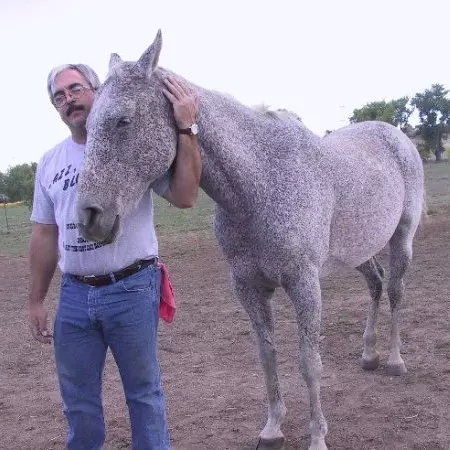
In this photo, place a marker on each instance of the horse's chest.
(260, 268)
(264, 255)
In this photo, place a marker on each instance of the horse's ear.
(114, 60)
(149, 60)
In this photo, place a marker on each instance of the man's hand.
(185, 179)
(185, 105)
(38, 323)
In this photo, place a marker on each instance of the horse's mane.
(281, 114)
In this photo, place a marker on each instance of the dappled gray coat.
(291, 206)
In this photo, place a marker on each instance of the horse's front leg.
(306, 296)
(256, 301)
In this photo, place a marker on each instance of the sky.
(319, 58)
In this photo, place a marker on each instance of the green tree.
(3, 180)
(20, 183)
(395, 112)
(434, 114)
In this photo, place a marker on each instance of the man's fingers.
(170, 96)
(179, 87)
(38, 328)
(185, 102)
(196, 101)
(44, 339)
(172, 87)
(175, 88)
(43, 336)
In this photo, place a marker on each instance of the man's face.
(75, 111)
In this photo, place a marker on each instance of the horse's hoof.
(271, 444)
(396, 370)
(370, 364)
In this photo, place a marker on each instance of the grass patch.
(170, 220)
(437, 185)
(13, 215)
(15, 229)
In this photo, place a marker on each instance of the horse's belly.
(358, 235)
(367, 211)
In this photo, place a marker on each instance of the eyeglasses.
(75, 91)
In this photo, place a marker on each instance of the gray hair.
(88, 73)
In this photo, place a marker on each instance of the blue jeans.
(124, 317)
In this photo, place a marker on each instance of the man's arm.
(185, 180)
(43, 257)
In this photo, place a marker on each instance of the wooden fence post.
(6, 217)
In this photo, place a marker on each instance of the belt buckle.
(87, 278)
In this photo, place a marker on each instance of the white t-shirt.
(55, 203)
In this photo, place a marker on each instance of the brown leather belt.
(104, 280)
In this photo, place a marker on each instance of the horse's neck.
(244, 151)
(231, 163)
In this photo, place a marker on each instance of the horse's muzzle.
(94, 225)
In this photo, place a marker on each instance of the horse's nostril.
(90, 215)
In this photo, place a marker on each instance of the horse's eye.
(123, 122)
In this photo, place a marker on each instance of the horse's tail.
(424, 203)
(424, 216)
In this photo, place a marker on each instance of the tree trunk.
(438, 150)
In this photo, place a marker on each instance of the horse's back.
(375, 139)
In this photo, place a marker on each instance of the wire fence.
(14, 217)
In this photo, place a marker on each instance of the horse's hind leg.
(400, 258)
(256, 301)
(373, 273)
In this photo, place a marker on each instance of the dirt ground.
(213, 382)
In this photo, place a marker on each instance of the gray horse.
(290, 206)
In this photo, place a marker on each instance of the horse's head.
(131, 143)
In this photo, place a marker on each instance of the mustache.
(72, 107)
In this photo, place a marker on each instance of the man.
(109, 293)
